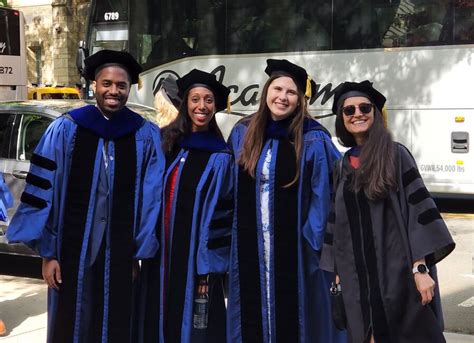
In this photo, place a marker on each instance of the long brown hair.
(181, 127)
(376, 175)
(255, 135)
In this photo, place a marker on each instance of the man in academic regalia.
(91, 205)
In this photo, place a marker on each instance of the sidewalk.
(458, 338)
(23, 309)
(33, 330)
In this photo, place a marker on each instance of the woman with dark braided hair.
(196, 222)
(385, 234)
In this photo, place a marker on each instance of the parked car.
(59, 93)
(22, 123)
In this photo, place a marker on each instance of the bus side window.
(463, 24)
(355, 26)
(32, 128)
(416, 23)
(245, 27)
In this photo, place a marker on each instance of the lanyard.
(104, 156)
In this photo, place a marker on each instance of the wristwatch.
(420, 268)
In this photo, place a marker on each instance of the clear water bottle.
(201, 307)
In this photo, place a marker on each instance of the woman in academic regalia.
(385, 234)
(284, 159)
(196, 220)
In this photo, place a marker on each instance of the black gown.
(374, 245)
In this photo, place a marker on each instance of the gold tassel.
(308, 88)
(140, 83)
(385, 117)
(228, 104)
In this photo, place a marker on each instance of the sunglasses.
(364, 108)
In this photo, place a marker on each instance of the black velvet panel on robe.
(191, 174)
(286, 244)
(285, 252)
(121, 238)
(249, 271)
(371, 302)
(151, 281)
(76, 208)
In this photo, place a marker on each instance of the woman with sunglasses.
(285, 159)
(385, 234)
(182, 294)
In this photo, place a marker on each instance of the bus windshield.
(9, 32)
(162, 31)
(110, 25)
(13, 78)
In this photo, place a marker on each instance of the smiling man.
(91, 205)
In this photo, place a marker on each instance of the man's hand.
(52, 273)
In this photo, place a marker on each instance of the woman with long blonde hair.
(284, 164)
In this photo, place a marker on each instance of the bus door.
(13, 79)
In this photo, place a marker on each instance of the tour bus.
(13, 79)
(419, 53)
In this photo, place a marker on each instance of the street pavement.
(23, 309)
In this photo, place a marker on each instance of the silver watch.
(421, 268)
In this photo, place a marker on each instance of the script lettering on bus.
(249, 94)
(3, 46)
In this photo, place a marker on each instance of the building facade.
(53, 31)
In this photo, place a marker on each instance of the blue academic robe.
(199, 244)
(299, 290)
(86, 168)
(6, 199)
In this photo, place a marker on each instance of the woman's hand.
(203, 287)
(425, 285)
(51, 273)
